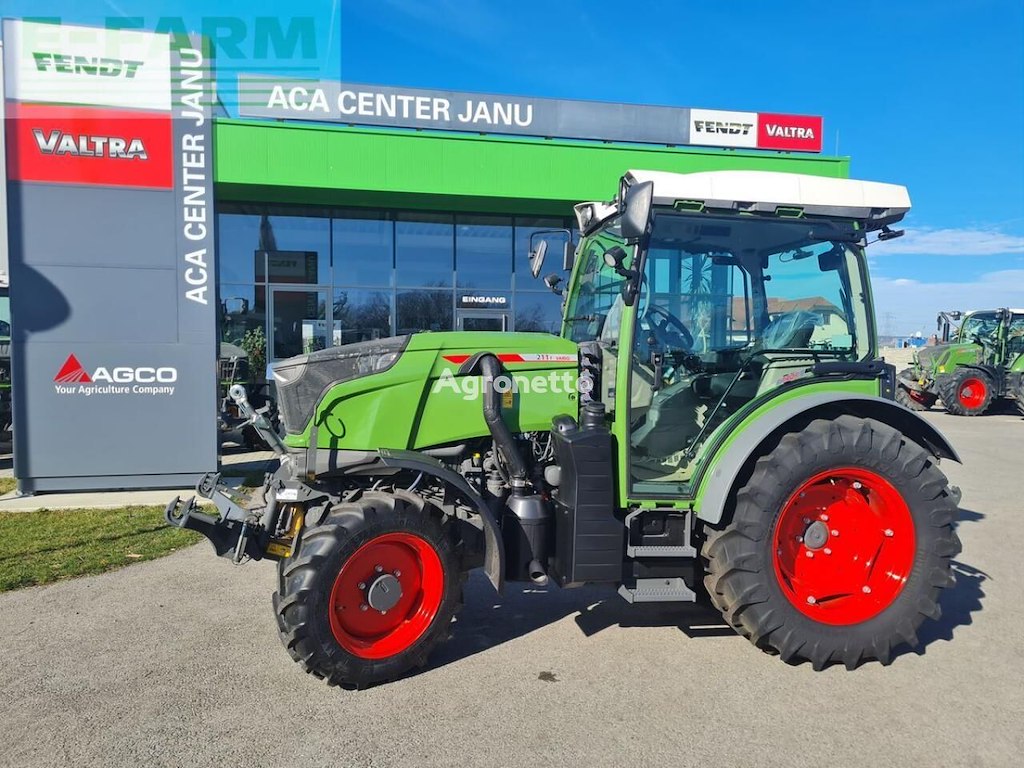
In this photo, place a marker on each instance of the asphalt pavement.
(177, 662)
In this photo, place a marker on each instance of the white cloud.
(951, 242)
(905, 305)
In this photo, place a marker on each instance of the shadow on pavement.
(487, 621)
(959, 604)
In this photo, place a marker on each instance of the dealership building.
(146, 227)
(377, 231)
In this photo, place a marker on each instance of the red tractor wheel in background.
(370, 590)
(966, 392)
(840, 542)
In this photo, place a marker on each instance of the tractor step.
(658, 591)
(660, 551)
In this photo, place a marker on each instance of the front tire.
(874, 517)
(914, 400)
(966, 392)
(371, 590)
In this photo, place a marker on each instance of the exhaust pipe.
(537, 573)
(526, 521)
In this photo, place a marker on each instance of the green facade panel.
(289, 162)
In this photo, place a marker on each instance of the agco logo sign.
(74, 379)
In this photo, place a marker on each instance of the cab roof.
(767, 191)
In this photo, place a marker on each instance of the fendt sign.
(329, 101)
(110, 188)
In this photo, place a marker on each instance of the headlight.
(302, 381)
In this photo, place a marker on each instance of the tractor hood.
(410, 391)
(960, 353)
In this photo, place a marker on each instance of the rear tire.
(335, 610)
(966, 392)
(860, 478)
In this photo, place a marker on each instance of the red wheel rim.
(844, 546)
(374, 633)
(972, 393)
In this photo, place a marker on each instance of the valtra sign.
(756, 130)
(90, 145)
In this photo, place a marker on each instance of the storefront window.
(311, 279)
(424, 249)
(237, 238)
(364, 248)
(361, 315)
(538, 311)
(297, 249)
(423, 311)
(483, 252)
(299, 322)
(292, 248)
(243, 308)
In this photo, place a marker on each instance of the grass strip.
(49, 545)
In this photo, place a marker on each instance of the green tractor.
(712, 423)
(983, 364)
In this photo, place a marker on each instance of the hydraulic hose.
(491, 369)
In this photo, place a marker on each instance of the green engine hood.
(412, 395)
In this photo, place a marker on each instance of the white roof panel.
(768, 190)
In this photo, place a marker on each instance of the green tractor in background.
(713, 422)
(983, 363)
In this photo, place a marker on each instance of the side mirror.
(553, 282)
(537, 258)
(568, 256)
(830, 261)
(636, 209)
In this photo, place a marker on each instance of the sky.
(929, 94)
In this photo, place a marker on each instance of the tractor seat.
(790, 330)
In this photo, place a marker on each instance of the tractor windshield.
(978, 324)
(752, 285)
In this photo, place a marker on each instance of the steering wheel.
(668, 329)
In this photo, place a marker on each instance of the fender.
(994, 374)
(494, 555)
(718, 483)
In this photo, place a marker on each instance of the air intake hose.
(491, 368)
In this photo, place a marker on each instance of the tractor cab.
(719, 304)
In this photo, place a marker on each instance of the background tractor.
(712, 422)
(982, 364)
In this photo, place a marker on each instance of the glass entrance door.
(299, 322)
(483, 321)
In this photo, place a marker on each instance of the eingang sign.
(388, 106)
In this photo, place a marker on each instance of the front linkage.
(263, 525)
